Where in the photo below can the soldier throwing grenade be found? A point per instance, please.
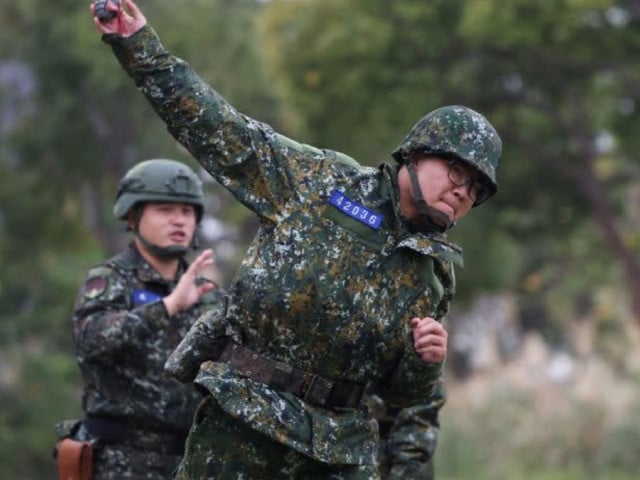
(343, 286)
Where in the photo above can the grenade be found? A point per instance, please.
(106, 10)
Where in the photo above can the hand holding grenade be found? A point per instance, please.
(106, 10)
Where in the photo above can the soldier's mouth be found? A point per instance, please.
(178, 237)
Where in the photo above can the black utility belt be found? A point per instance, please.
(314, 389)
(117, 430)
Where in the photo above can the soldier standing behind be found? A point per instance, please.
(343, 286)
(130, 313)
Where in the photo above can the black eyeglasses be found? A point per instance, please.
(459, 176)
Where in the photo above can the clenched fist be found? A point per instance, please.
(429, 339)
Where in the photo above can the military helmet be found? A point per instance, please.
(456, 132)
(158, 180)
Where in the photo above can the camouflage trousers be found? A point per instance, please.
(221, 447)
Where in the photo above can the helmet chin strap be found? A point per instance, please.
(172, 252)
(428, 219)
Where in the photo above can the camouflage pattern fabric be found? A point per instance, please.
(123, 336)
(255, 456)
(408, 437)
(329, 284)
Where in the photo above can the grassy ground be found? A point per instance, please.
(520, 422)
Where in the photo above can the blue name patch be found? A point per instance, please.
(355, 210)
(140, 297)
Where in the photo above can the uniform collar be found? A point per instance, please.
(146, 273)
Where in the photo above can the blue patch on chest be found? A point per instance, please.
(355, 210)
(140, 297)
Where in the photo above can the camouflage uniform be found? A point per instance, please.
(408, 437)
(123, 335)
(329, 285)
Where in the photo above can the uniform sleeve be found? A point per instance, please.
(409, 380)
(204, 341)
(104, 322)
(245, 156)
(411, 433)
(412, 438)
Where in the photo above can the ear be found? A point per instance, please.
(131, 219)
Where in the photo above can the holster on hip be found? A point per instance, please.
(75, 460)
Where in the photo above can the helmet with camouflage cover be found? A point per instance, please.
(456, 132)
(158, 180)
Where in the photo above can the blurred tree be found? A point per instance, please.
(554, 77)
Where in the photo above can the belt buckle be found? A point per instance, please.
(318, 391)
(305, 385)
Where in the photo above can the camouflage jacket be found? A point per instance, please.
(329, 284)
(123, 336)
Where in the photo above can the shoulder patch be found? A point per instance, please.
(94, 287)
